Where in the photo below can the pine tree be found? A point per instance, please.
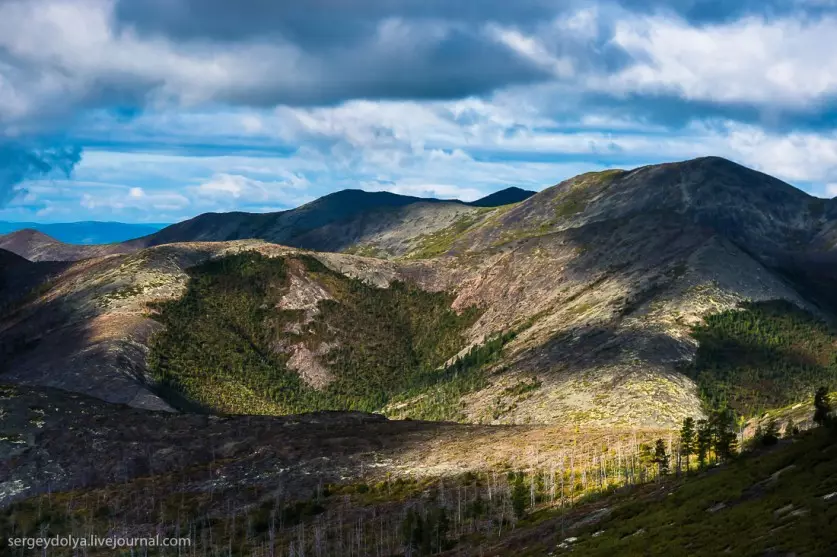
(822, 406)
(519, 496)
(704, 442)
(687, 439)
(724, 440)
(661, 457)
(771, 433)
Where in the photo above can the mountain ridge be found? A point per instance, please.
(601, 278)
(86, 232)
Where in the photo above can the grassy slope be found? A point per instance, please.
(769, 502)
(763, 355)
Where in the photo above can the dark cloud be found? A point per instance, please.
(713, 11)
(206, 52)
(19, 163)
(674, 112)
(315, 24)
(320, 24)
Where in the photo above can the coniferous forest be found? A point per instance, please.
(226, 342)
(763, 355)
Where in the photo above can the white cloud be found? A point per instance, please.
(67, 53)
(75, 47)
(441, 191)
(533, 49)
(783, 62)
(221, 189)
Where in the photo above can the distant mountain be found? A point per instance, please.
(370, 223)
(504, 197)
(336, 222)
(87, 232)
(37, 246)
(381, 224)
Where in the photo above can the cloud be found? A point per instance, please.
(766, 63)
(680, 60)
(19, 163)
(184, 106)
(236, 191)
(77, 54)
(440, 191)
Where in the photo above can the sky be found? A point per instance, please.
(159, 110)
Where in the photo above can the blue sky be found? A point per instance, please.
(158, 110)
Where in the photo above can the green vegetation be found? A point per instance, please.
(441, 241)
(438, 396)
(426, 533)
(779, 502)
(763, 355)
(823, 408)
(574, 200)
(226, 344)
(365, 250)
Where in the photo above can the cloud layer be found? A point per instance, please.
(183, 106)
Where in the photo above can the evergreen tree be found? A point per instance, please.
(661, 457)
(822, 406)
(722, 429)
(758, 436)
(687, 439)
(704, 442)
(520, 495)
(771, 433)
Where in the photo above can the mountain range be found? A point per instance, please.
(517, 336)
(87, 232)
(600, 279)
(331, 223)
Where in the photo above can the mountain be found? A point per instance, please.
(503, 197)
(583, 304)
(370, 223)
(88, 232)
(379, 223)
(493, 381)
(37, 246)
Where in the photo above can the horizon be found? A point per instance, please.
(272, 107)
(160, 225)
(451, 200)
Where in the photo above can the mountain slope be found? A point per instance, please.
(381, 222)
(751, 209)
(372, 223)
(596, 287)
(95, 316)
(327, 481)
(781, 501)
(37, 246)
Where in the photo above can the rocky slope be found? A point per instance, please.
(602, 277)
(37, 246)
(328, 481)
